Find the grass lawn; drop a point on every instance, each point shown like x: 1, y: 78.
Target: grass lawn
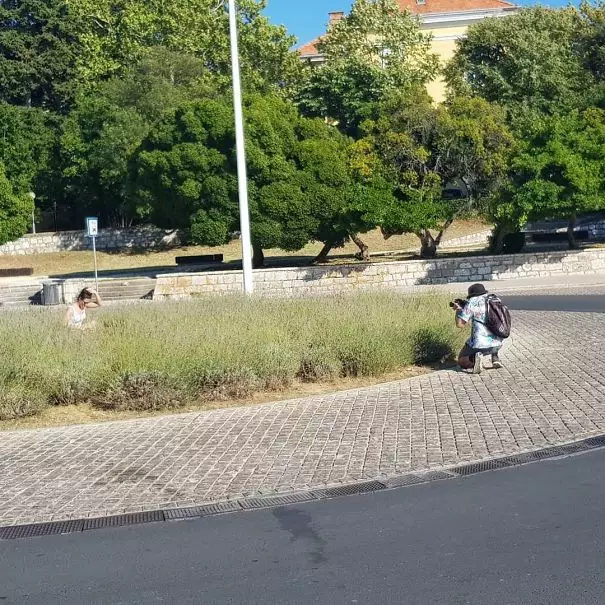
x: 209, y: 352
x: 68, y: 263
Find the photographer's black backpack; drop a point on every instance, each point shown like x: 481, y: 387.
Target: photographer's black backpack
x: 497, y: 315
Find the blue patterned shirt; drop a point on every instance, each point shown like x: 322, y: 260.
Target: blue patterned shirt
x: 476, y: 311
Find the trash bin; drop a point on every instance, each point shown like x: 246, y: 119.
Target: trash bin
x: 52, y: 292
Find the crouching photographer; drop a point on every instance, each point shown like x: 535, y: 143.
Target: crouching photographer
x: 490, y: 325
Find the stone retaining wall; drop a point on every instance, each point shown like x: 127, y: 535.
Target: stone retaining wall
x: 474, y: 239
x: 108, y: 239
x: 391, y: 275
x: 596, y: 231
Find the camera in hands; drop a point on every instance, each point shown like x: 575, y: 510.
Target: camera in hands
x: 458, y: 302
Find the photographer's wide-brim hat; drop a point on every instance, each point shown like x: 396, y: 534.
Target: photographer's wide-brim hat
x: 476, y: 290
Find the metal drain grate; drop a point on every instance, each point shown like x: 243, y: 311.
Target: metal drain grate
x: 349, y: 490
x: 153, y: 516
x: 595, y: 441
x: 572, y: 448
x: 435, y: 476
x: 521, y: 459
x: 550, y: 452
x: 403, y: 480
x: 479, y: 467
x: 40, y: 529
x: 202, y: 511
x: 268, y: 501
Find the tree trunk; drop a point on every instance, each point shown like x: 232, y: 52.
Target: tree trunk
x: 445, y: 227
x: 322, y: 257
x: 571, y: 236
x: 428, y: 247
x: 258, y: 257
x: 497, y: 240
x: 363, y: 253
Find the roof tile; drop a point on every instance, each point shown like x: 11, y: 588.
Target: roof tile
x: 452, y: 6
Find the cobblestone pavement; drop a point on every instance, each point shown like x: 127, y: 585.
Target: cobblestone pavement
x: 551, y: 391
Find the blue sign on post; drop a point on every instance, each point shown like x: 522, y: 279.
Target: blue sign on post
x: 92, y: 226
x: 92, y: 230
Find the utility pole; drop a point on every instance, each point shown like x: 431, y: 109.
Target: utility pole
x: 242, y: 177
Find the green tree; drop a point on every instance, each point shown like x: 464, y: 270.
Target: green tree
x: 376, y: 50
x: 559, y: 172
x: 104, y: 130
x: 428, y: 150
x: 27, y: 142
x: 116, y: 33
x: 527, y: 62
x: 15, y: 211
x: 592, y: 39
x: 300, y: 182
x: 38, y: 51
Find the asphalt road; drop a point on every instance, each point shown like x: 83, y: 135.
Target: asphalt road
x: 527, y: 535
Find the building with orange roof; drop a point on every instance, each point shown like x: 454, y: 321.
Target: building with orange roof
x: 446, y: 20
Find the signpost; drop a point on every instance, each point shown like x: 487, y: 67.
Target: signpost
x: 92, y: 230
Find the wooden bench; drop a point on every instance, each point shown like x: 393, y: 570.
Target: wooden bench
x: 200, y: 259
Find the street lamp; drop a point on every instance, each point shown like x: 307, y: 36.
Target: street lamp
x: 32, y: 195
x: 242, y: 177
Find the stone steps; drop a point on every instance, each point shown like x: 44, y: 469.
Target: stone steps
x: 131, y: 289
x: 17, y: 293
x: 21, y: 294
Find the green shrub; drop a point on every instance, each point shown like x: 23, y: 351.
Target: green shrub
x: 20, y: 403
x: 430, y: 346
x: 142, y: 392
x: 150, y: 357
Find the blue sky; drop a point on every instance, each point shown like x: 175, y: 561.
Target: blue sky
x: 306, y: 19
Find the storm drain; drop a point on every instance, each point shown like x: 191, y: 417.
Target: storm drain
x: 349, y: 490
x: 595, y: 441
x: 270, y: 501
x: 41, y: 529
x: 479, y: 467
x: 153, y: 516
x: 201, y: 511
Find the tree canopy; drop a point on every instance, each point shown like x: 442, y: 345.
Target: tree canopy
x: 15, y: 211
x: 374, y: 51
x: 428, y: 150
x: 301, y: 185
x: 527, y: 62
x: 116, y: 34
x: 38, y: 53
x: 558, y: 172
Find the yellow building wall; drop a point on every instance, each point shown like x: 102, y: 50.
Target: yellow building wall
x: 444, y: 45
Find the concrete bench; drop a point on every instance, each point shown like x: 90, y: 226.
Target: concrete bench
x: 19, y: 272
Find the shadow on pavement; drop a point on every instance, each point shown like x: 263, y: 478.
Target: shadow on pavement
x: 589, y: 303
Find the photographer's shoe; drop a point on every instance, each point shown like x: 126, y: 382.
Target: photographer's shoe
x: 496, y: 363
x: 478, y: 363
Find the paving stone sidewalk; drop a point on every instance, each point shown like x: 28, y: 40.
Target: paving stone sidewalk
x: 551, y: 391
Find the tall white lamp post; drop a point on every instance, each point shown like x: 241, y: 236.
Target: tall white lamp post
x: 32, y: 195
x: 242, y: 176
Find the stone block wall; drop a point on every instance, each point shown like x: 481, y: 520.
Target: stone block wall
x: 386, y: 276
x: 108, y: 239
x: 596, y: 231
x: 474, y: 239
